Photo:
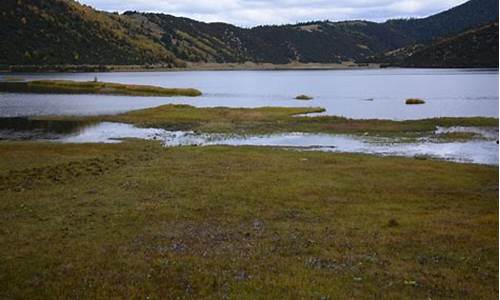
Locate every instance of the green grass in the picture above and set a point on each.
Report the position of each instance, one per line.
(265, 120)
(135, 220)
(93, 87)
(414, 101)
(458, 136)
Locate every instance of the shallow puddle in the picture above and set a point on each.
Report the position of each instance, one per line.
(483, 150)
(475, 151)
(29, 129)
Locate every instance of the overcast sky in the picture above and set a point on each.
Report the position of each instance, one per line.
(256, 12)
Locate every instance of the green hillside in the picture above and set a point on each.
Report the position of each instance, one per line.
(65, 32)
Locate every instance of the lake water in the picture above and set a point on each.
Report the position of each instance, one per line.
(357, 94)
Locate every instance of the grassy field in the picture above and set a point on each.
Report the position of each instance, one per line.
(135, 220)
(92, 87)
(265, 120)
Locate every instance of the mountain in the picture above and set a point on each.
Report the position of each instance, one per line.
(476, 47)
(322, 42)
(64, 32)
(473, 48)
(473, 13)
(56, 32)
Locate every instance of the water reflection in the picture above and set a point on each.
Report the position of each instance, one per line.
(26, 128)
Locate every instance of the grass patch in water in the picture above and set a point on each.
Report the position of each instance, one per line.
(138, 220)
(458, 136)
(93, 87)
(304, 97)
(414, 101)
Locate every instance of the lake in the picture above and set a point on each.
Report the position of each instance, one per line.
(361, 94)
(357, 94)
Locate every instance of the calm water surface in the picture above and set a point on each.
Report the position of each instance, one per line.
(351, 93)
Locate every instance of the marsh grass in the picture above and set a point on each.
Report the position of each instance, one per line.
(458, 136)
(267, 120)
(135, 220)
(93, 87)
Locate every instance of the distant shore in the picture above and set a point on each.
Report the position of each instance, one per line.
(290, 66)
(93, 87)
(188, 67)
(248, 66)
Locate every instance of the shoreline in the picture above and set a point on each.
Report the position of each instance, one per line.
(93, 87)
(207, 67)
(248, 66)
(272, 120)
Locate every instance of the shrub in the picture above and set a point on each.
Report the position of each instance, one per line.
(414, 101)
(304, 97)
(393, 223)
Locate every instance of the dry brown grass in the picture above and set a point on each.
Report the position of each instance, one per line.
(136, 220)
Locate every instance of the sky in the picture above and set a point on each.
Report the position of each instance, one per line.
(248, 13)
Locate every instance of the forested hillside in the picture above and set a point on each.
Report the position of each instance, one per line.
(56, 32)
(473, 48)
(65, 32)
(311, 42)
(471, 14)
(324, 42)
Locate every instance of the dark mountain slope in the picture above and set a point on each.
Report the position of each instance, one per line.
(473, 48)
(331, 41)
(49, 32)
(310, 42)
(473, 13)
(65, 32)
(323, 42)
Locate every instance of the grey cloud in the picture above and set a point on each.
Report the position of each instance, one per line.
(256, 12)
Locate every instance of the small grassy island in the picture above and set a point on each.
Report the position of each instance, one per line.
(303, 97)
(414, 101)
(93, 87)
(270, 120)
